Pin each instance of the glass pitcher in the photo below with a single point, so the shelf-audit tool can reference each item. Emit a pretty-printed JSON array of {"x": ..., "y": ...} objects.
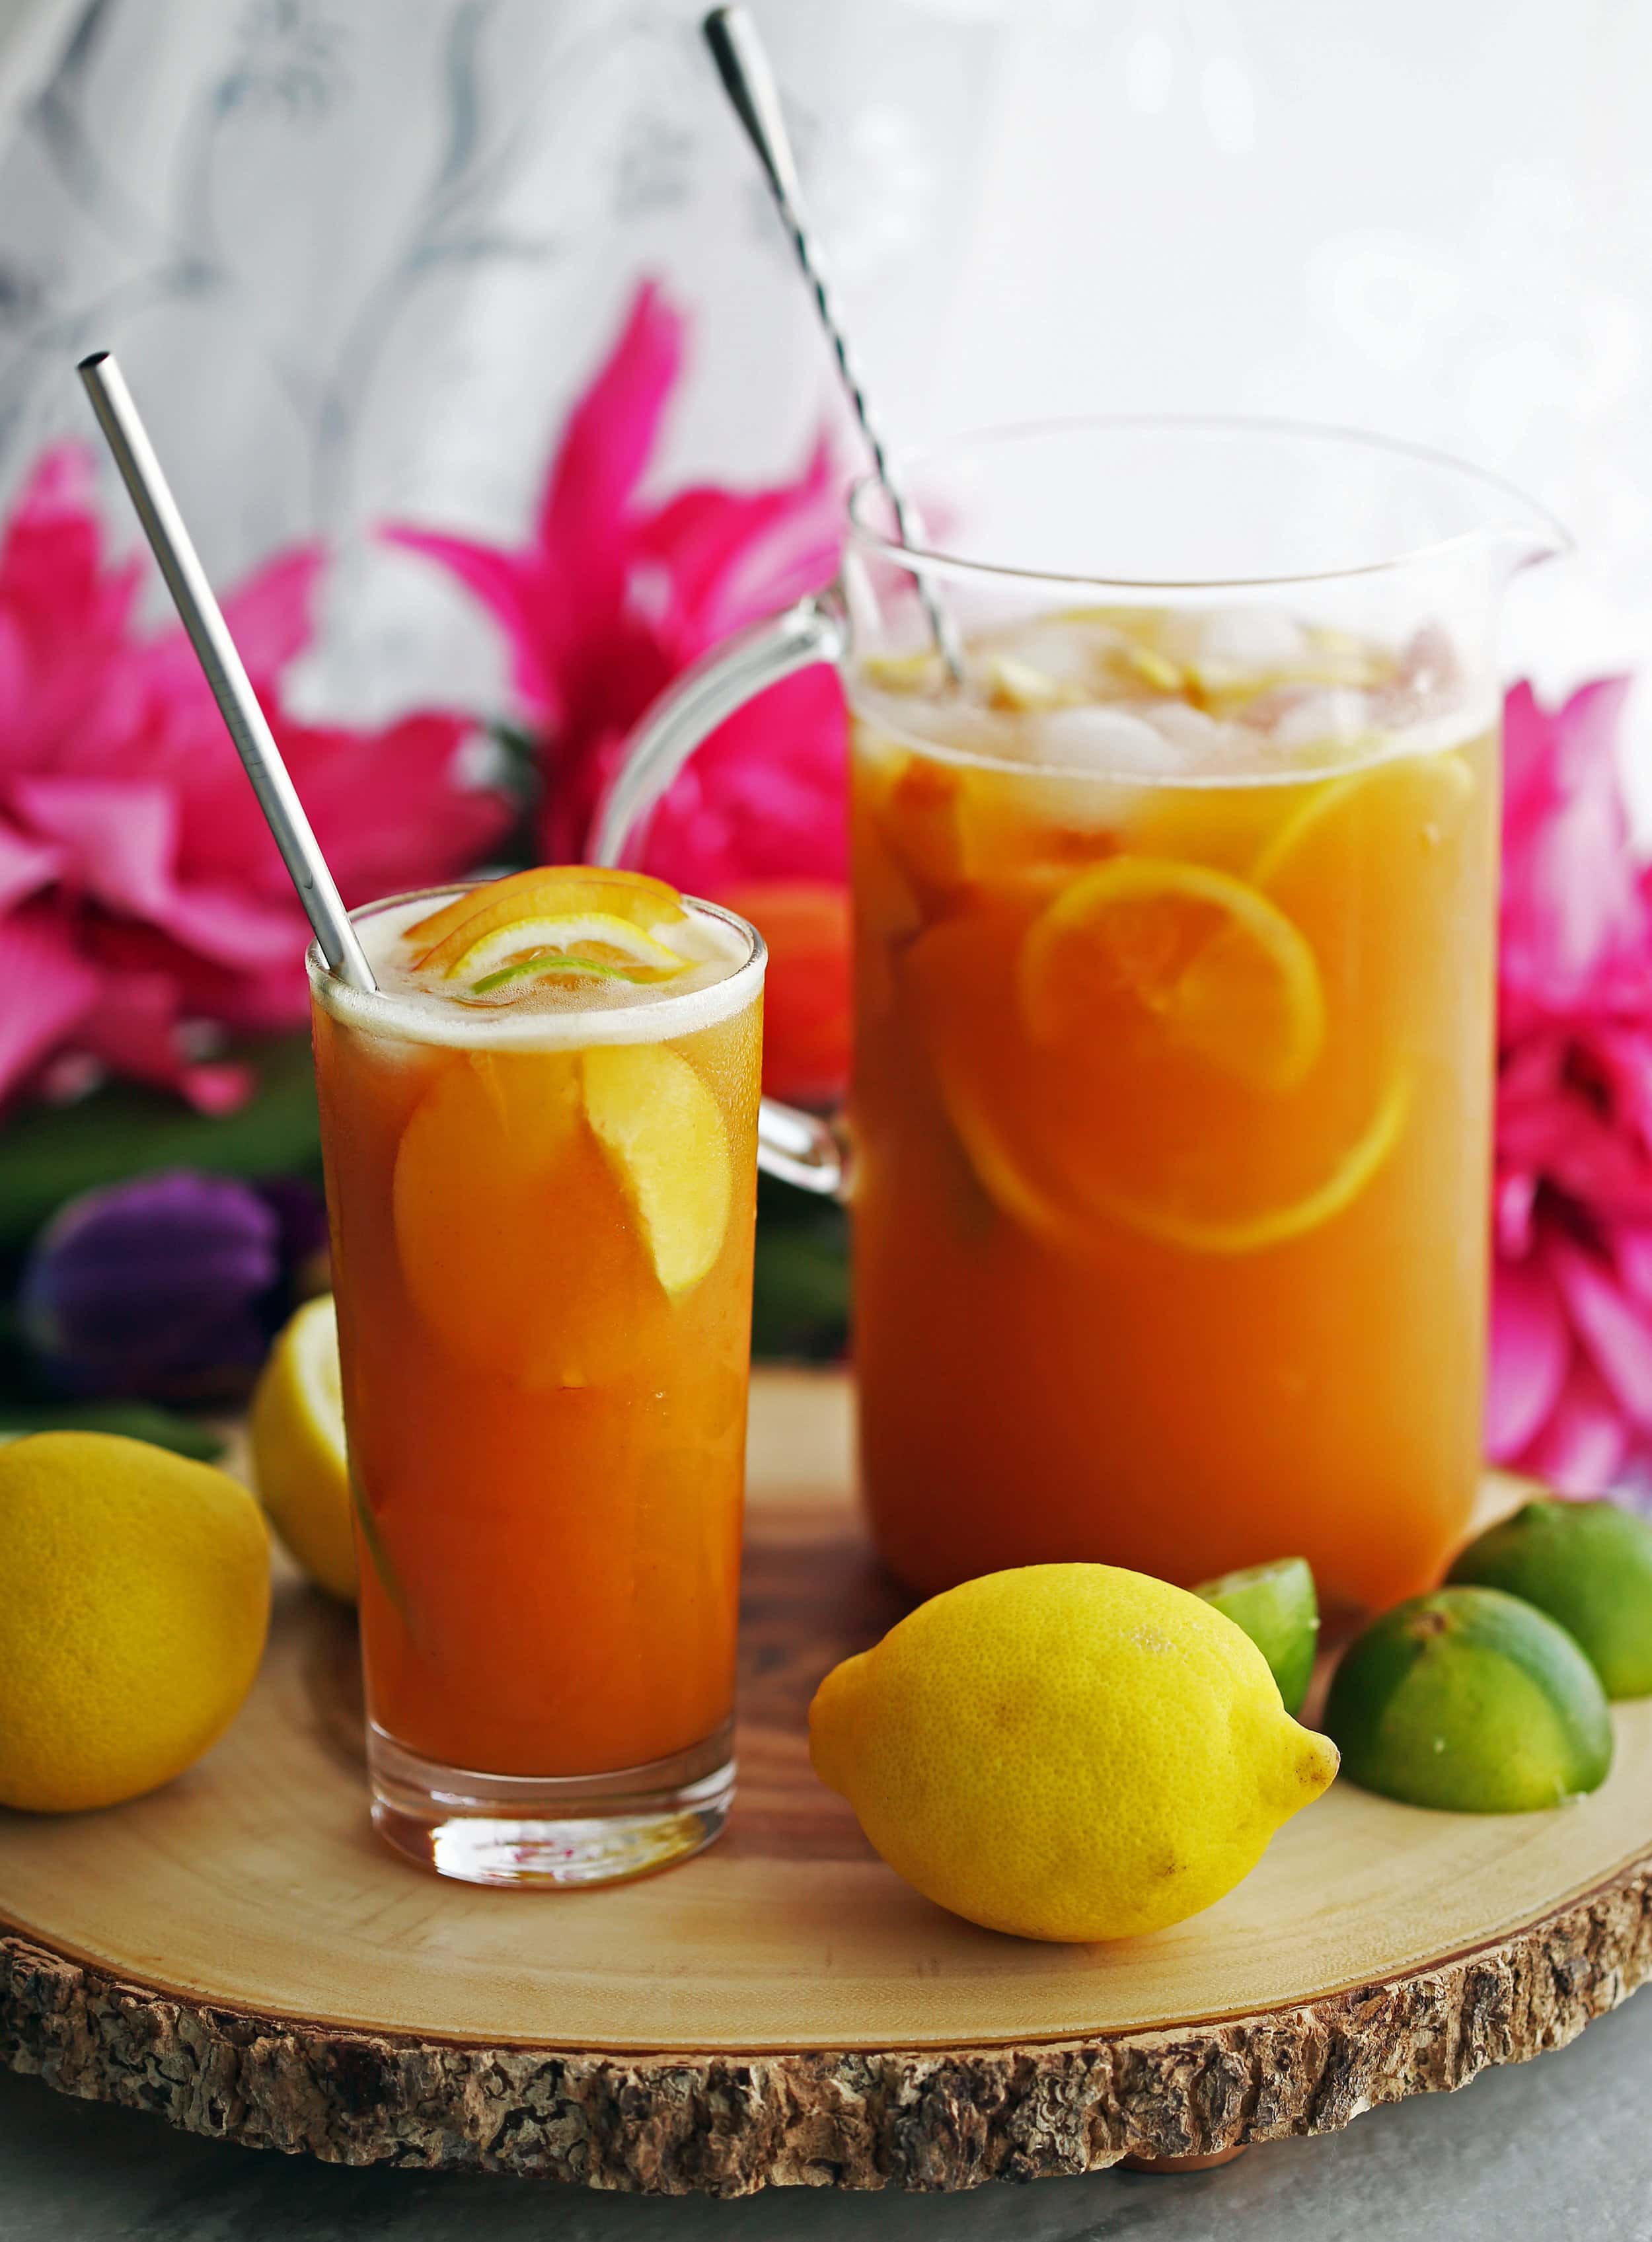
[{"x": 1175, "y": 927}]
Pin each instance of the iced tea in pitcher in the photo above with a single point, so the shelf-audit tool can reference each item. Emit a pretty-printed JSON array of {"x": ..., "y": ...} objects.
[{"x": 1174, "y": 951}]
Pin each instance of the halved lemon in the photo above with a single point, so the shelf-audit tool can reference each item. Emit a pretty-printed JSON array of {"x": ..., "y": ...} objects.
[
  {"x": 663, "y": 1133},
  {"x": 545, "y": 892},
  {"x": 1153, "y": 950},
  {"x": 296, "y": 1432},
  {"x": 611, "y": 939}
]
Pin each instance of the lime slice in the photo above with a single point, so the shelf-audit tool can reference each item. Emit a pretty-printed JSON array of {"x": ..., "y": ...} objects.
[
  {"x": 545, "y": 964},
  {"x": 1588, "y": 1565},
  {"x": 1472, "y": 1701},
  {"x": 1159, "y": 950},
  {"x": 1277, "y": 1606},
  {"x": 664, "y": 1135}
]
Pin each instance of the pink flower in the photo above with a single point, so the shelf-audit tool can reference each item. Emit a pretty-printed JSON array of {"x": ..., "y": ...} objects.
[
  {"x": 140, "y": 894},
  {"x": 612, "y": 598},
  {"x": 1570, "y": 1396}
]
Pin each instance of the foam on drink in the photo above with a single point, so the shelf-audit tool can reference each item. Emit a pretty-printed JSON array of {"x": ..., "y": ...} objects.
[{"x": 725, "y": 963}]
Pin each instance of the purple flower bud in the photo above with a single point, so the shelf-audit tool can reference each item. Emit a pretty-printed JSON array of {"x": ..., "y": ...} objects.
[{"x": 162, "y": 1287}]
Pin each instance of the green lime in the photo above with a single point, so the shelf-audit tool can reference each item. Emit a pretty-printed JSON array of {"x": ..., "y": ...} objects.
[
  {"x": 1587, "y": 1565},
  {"x": 1471, "y": 1700},
  {"x": 1276, "y": 1605}
]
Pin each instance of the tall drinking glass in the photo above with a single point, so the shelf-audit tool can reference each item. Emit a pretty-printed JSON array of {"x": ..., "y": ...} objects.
[
  {"x": 541, "y": 1220},
  {"x": 1174, "y": 954}
]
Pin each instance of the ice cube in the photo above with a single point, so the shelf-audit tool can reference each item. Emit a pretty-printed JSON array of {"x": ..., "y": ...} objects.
[
  {"x": 1201, "y": 742},
  {"x": 1109, "y": 741},
  {"x": 1428, "y": 680},
  {"x": 1298, "y": 716},
  {"x": 1248, "y": 640},
  {"x": 1063, "y": 649}
]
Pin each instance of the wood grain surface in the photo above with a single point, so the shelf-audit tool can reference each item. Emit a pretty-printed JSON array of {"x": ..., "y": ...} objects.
[{"x": 240, "y": 1953}]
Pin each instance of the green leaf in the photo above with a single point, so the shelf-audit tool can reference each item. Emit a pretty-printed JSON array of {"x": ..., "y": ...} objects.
[
  {"x": 48, "y": 1153},
  {"x": 133, "y": 1421}
]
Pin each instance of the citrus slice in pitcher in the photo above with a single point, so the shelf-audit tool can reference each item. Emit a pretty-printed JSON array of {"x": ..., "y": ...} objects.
[
  {"x": 1110, "y": 1131},
  {"x": 1144, "y": 952},
  {"x": 1420, "y": 798}
]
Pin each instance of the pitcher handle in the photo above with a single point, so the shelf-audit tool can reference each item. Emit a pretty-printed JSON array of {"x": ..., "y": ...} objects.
[{"x": 799, "y": 1148}]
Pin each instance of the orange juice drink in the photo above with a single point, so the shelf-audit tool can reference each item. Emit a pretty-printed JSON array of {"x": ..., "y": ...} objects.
[
  {"x": 1174, "y": 1017},
  {"x": 540, "y": 1138}
]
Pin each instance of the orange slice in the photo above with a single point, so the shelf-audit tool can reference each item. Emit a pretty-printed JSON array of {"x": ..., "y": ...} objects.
[
  {"x": 1145, "y": 949},
  {"x": 545, "y": 892}
]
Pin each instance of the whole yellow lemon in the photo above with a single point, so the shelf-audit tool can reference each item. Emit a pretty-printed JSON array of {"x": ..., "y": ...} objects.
[
  {"x": 134, "y": 1600},
  {"x": 1066, "y": 1751},
  {"x": 296, "y": 1429}
]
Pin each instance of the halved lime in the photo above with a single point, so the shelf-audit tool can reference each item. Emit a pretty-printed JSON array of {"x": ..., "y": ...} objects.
[
  {"x": 1588, "y": 1565},
  {"x": 1277, "y": 1606},
  {"x": 1473, "y": 1701}
]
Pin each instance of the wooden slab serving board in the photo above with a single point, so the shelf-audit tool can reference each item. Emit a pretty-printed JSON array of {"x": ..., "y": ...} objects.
[{"x": 241, "y": 1953}]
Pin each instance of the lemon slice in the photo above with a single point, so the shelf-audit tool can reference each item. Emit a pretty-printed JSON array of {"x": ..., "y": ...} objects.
[
  {"x": 568, "y": 935},
  {"x": 664, "y": 1136},
  {"x": 903, "y": 673},
  {"x": 1440, "y": 783},
  {"x": 296, "y": 1431},
  {"x": 1084, "y": 1145},
  {"x": 1068, "y": 1222},
  {"x": 1178, "y": 953},
  {"x": 532, "y": 896},
  {"x": 1277, "y": 1226}
]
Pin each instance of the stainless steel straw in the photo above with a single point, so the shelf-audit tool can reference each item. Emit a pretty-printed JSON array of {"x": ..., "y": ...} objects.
[
  {"x": 215, "y": 650},
  {"x": 750, "y": 84}
]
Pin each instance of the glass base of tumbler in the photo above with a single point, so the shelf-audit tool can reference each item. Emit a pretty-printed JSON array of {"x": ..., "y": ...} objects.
[{"x": 551, "y": 1831}]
